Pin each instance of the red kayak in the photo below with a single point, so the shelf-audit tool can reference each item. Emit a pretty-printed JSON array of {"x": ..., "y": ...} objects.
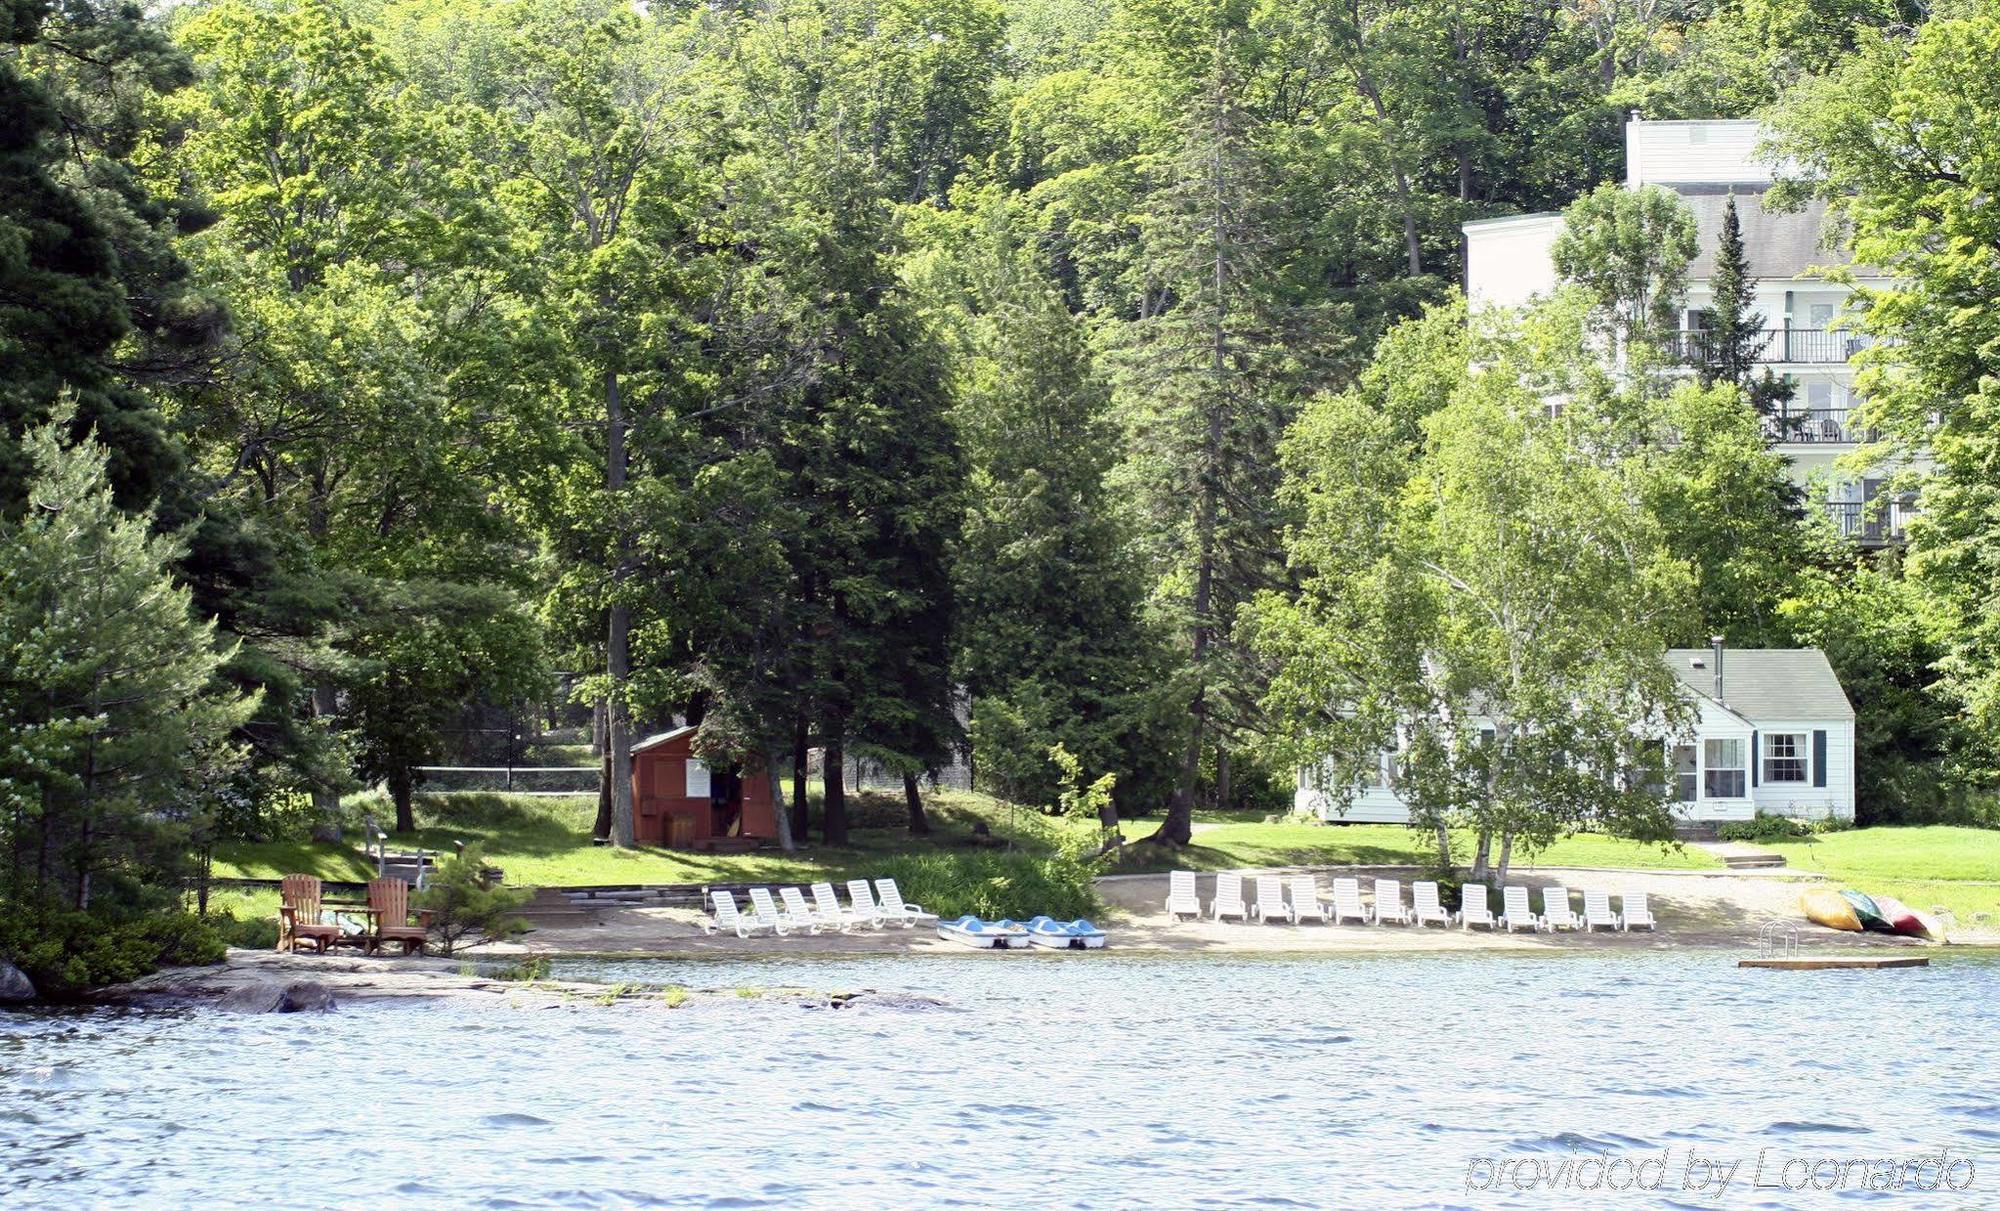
[{"x": 1898, "y": 915}]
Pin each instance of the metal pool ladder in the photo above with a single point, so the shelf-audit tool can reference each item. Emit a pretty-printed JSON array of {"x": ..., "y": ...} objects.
[{"x": 1776, "y": 939}]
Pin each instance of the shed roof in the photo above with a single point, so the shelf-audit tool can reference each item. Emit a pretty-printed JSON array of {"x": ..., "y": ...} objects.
[
  {"x": 1779, "y": 685},
  {"x": 655, "y": 741}
]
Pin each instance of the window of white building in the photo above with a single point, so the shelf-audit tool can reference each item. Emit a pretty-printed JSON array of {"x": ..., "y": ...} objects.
[
  {"x": 1725, "y": 774},
  {"x": 1785, "y": 757}
]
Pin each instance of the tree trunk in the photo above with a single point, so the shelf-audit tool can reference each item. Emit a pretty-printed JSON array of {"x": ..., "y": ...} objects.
[
  {"x": 801, "y": 753},
  {"x": 920, "y": 825},
  {"x": 780, "y": 815},
  {"x": 833, "y": 813},
  {"x": 602, "y": 829},
  {"x": 1178, "y": 827},
  {"x": 400, "y": 787},
  {"x": 1482, "y": 852},
  {"x": 325, "y": 798},
  {"x": 1506, "y": 854},
  {"x": 618, "y": 641},
  {"x": 1444, "y": 845},
  {"x": 597, "y": 729},
  {"x": 1221, "y": 778}
]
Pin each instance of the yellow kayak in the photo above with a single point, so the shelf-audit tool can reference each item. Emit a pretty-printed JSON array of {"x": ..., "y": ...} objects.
[{"x": 1824, "y": 906}]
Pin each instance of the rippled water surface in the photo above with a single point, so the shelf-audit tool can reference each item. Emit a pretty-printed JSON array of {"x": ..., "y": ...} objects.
[{"x": 1094, "y": 1080}]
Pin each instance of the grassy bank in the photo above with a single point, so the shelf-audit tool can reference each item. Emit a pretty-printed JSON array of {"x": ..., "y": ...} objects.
[
  {"x": 545, "y": 842},
  {"x": 1939, "y": 866},
  {"x": 1225, "y": 840}
]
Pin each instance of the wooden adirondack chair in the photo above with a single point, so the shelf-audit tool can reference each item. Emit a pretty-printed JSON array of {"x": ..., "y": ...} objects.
[
  {"x": 390, "y": 900},
  {"x": 298, "y": 915}
]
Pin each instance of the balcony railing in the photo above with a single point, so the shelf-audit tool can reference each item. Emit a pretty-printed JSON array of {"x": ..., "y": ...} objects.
[
  {"x": 1781, "y": 346},
  {"x": 1879, "y": 522},
  {"x": 1795, "y": 425}
]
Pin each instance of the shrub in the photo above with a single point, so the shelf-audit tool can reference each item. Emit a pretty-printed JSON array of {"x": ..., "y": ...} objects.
[
  {"x": 1767, "y": 828},
  {"x": 994, "y": 884},
  {"x": 67, "y": 953},
  {"x": 245, "y": 933},
  {"x": 462, "y": 906}
]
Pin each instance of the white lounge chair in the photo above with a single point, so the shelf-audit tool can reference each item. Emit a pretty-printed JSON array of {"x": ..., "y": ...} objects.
[
  {"x": 1389, "y": 903},
  {"x": 797, "y": 912},
  {"x": 895, "y": 911},
  {"x": 1556, "y": 912},
  {"x": 865, "y": 909},
  {"x": 1515, "y": 913},
  {"x": 1305, "y": 900},
  {"x": 1270, "y": 905},
  {"x": 1228, "y": 901},
  {"x": 766, "y": 913},
  {"x": 826, "y": 907},
  {"x": 1347, "y": 901},
  {"x": 1597, "y": 911},
  {"x": 1182, "y": 899},
  {"x": 1636, "y": 913},
  {"x": 1475, "y": 907},
  {"x": 726, "y": 916},
  {"x": 1427, "y": 907}
]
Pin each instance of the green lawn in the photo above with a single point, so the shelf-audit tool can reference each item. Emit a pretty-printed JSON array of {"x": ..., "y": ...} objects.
[
  {"x": 1230, "y": 839},
  {"x": 545, "y": 842},
  {"x": 1930, "y": 867}
]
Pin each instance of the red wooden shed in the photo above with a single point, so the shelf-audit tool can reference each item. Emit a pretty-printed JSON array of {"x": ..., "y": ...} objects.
[{"x": 678, "y": 800}]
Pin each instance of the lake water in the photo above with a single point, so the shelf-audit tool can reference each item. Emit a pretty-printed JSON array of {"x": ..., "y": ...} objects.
[{"x": 1093, "y": 1080}]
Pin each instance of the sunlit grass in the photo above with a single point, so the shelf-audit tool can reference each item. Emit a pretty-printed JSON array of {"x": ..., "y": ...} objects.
[{"x": 1225, "y": 840}]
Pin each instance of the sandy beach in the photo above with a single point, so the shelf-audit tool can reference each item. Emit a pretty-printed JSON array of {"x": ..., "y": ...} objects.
[{"x": 1696, "y": 910}]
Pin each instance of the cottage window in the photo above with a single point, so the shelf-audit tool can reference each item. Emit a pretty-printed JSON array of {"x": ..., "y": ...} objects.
[
  {"x": 1687, "y": 773},
  {"x": 1785, "y": 757},
  {"x": 697, "y": 779},
  {"x": 1725, "y": 774}
]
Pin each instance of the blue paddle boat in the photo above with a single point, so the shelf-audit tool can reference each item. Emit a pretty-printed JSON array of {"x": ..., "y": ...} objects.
[
  {"x": 984, "y": 935},
  {"x": 1065, "y": 935}
]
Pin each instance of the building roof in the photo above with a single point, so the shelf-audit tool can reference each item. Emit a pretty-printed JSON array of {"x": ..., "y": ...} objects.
[
  {"x": 1780, "y": 244},
  {"x": 661, "y": 738},
  {"x": 1776, "y": 685}
]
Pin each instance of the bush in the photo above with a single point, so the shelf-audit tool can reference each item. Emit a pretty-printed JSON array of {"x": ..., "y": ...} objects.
[
  {"x": 1778, "y": 828},
  {"x": 245, "y": 933},
  {"x": 462, "y": 906},
  {"x": 994, "y": 884},
  {"x": 68, "y": 953}
]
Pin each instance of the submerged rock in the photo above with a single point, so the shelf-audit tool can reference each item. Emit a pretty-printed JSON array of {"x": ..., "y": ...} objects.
[
  {"x": 300, "y": 997},
  {"x": 307, "y": 997},
  {"x": 14, "y": 986}
]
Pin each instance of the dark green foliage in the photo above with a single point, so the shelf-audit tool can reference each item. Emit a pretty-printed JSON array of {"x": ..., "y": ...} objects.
[
  {"x": 993, "y": 885},
  {"x": 67, "y": 952},
  {"x": 464, "y": 909},
  {"x": 62, "y": 294}
]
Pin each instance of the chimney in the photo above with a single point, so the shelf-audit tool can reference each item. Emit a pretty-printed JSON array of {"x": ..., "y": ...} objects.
[{"x": 1715, "y": 647}]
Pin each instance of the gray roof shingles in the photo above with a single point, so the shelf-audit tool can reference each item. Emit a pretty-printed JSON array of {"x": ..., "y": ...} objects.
[
  {"x": 1779, "y": 685},
  {"x": 1781, "y": 245}
]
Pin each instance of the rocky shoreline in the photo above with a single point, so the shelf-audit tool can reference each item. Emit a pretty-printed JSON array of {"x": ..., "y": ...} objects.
[{"x": 258, "y": 981}]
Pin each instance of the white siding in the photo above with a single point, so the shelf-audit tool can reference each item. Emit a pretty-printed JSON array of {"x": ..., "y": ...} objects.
[
  {"x": 1507, "y": 260},
  {"x": 1686, "y": 152},
  {"x": 1805, "y": 800}
]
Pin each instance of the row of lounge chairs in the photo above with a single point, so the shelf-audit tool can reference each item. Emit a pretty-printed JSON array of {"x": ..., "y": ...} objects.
[
  {"x": 1304, "y": 903},
  {"x": 866, "y": 909}
]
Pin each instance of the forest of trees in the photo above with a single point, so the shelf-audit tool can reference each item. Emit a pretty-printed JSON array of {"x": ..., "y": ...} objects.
[{"x": 806, "y": 368}]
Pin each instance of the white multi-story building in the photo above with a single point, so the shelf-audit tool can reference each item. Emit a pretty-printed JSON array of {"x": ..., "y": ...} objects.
[{"x": 1705, "y": 162}]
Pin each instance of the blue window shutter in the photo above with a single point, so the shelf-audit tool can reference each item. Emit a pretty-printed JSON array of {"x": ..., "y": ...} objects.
[
  {"x": 1753, "y": 758},
  {"x": 1819, "y": 757}
]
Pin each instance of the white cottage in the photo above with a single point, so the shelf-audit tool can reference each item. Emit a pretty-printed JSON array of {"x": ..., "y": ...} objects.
[{"x": 1774, "y": 733}]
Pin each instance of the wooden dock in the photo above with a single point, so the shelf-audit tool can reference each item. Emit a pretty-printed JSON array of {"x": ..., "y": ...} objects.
[{"x": 1832, "y": 963}]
